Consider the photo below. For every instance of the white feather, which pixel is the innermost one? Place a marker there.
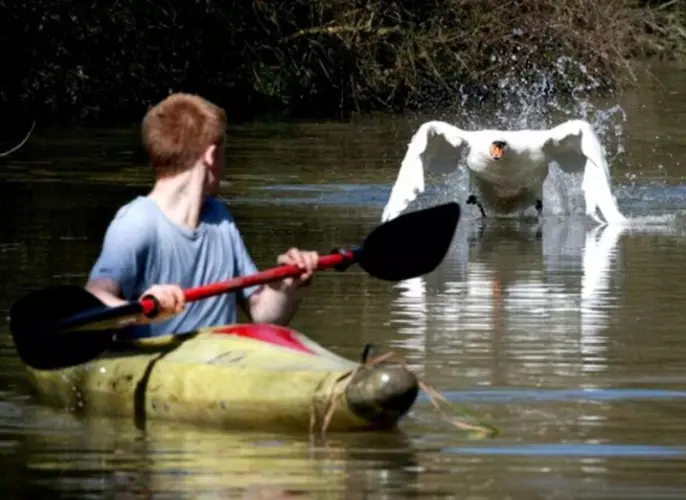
(438, 146)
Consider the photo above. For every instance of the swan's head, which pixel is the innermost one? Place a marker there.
(497, 149)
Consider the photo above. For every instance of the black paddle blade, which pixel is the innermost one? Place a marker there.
(410, 245)
(36, 342)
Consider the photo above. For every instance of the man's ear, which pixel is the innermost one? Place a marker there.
(208, 155)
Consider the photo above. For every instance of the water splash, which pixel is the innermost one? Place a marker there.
(543, 98)
(540, 99)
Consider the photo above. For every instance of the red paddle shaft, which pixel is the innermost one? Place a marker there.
(150, 306)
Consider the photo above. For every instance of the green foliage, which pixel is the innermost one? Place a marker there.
(69, 61)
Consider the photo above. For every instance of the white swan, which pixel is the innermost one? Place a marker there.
(507, 167)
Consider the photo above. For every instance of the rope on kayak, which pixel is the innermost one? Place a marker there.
(338, 388)
(336, 393)
(365, 352)
(481, 429)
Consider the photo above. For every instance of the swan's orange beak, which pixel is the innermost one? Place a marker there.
(497, 149)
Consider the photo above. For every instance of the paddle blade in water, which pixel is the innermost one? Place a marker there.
(39, 347)
(411, 245)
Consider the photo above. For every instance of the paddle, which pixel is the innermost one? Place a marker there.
(66, 325)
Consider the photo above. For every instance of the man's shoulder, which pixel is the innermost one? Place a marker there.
(140, 205)
(139, 213)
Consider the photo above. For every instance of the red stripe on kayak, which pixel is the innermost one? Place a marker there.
(272, 334)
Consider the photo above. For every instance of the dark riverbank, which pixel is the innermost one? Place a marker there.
(66, 62)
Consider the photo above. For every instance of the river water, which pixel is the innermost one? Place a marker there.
(567, 336)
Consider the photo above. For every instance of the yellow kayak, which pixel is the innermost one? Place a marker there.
(249, 376)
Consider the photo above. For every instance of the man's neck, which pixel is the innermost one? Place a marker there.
(180, 197)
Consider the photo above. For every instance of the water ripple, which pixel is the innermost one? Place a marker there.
(574, 450)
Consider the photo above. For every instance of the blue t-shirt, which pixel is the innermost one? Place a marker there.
(143, 247)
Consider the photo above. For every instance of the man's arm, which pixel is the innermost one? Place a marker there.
(121, 261)
(107, 290)
(122, 257)
(274, 302)
(278, 302)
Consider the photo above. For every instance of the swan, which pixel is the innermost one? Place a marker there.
(507, 167)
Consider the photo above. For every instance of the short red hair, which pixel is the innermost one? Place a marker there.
(178, 130)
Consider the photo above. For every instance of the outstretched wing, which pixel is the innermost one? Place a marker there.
(435, 147)
(575, 147)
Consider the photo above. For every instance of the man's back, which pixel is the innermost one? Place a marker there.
(143, 247)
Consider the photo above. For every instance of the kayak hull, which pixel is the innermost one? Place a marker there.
(233, 377)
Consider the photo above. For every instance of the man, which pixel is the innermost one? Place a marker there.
(181, 235)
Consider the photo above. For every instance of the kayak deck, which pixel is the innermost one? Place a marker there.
(235, 376)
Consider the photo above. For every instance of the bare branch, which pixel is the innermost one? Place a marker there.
(15, 148)
(336, 30)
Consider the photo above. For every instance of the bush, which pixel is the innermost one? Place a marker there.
(73, 62)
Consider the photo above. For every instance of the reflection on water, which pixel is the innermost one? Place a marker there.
(598, 254)
(521, 291)
(98, 456)
(524, 308)
(489, 283)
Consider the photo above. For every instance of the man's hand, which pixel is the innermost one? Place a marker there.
(305, 260)
(171, 298)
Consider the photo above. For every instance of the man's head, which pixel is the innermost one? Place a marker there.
(182, 130)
